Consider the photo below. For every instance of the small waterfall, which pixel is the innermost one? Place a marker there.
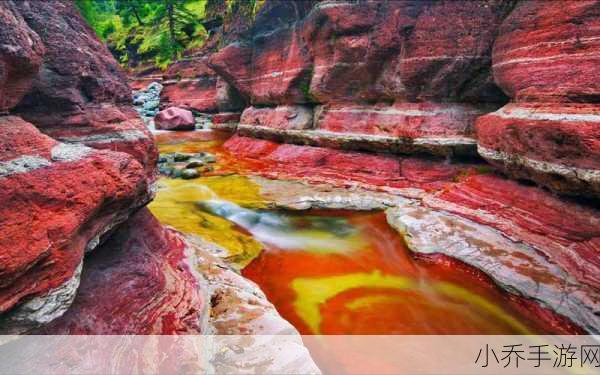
(317, 234)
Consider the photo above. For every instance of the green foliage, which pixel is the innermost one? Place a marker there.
(147, 30)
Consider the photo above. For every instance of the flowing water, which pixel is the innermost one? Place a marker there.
(332, 271)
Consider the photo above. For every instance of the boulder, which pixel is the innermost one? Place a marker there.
(58, 202)
(80, 94)
(545, 58)
(21, 53)
(174, 118)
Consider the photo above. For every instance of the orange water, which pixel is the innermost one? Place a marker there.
(368, 283)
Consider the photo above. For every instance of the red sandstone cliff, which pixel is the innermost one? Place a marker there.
(415, 76)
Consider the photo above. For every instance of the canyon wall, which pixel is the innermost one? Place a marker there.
(512, 81)
(75, 159)
(79, 252)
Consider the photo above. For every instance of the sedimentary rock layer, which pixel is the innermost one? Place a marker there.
(518, 267)
(565, 233)
(545, 58)
(281, 117)
(190, 84)
(80, 94)
(58, 201)
(344, 167)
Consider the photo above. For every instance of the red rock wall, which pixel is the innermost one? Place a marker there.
(58, 201)
(431, 72)
(80, 94)
(21, 54)
(158, 294)
(416, 76)
(60, 198)
(546, 58)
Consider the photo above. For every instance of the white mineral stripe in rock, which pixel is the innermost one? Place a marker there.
(43, 309)
(444, 57)
(22, 164)
(531, 114)
(28, 163)
(334, 136)
(527, 60)
(293, 70)
(591, 176)
(126, 135)
(332, 4)
(408, 112)
(170, 81)
(428, 231)
(548, 44)
(69, 152)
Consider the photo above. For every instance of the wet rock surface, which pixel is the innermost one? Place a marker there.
(147, 100)
(159, 294)
(185, 165)
(516, 266)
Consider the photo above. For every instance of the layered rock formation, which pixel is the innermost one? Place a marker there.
(58, 201)
(80, 95)
(159, 291)
(61, 198)
(78, 252)
(546, 57)
(530, 242)
(388, 75)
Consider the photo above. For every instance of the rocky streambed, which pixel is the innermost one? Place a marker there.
(337, 252)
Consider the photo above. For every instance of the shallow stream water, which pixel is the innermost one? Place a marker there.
(331, 271)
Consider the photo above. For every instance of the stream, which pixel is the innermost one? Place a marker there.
(330, 271)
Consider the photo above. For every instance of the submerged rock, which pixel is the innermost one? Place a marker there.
(188, 173)
(185, 165)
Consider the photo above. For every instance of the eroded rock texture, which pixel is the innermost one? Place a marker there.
(139, 282)
(546, 57)
(80, 94)
(411, 176)
(21, 53)
(60, 198)
(58, 201)
(400, 73)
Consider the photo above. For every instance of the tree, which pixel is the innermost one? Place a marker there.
(158, 30)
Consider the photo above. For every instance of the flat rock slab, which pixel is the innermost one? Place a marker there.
(516, 266)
